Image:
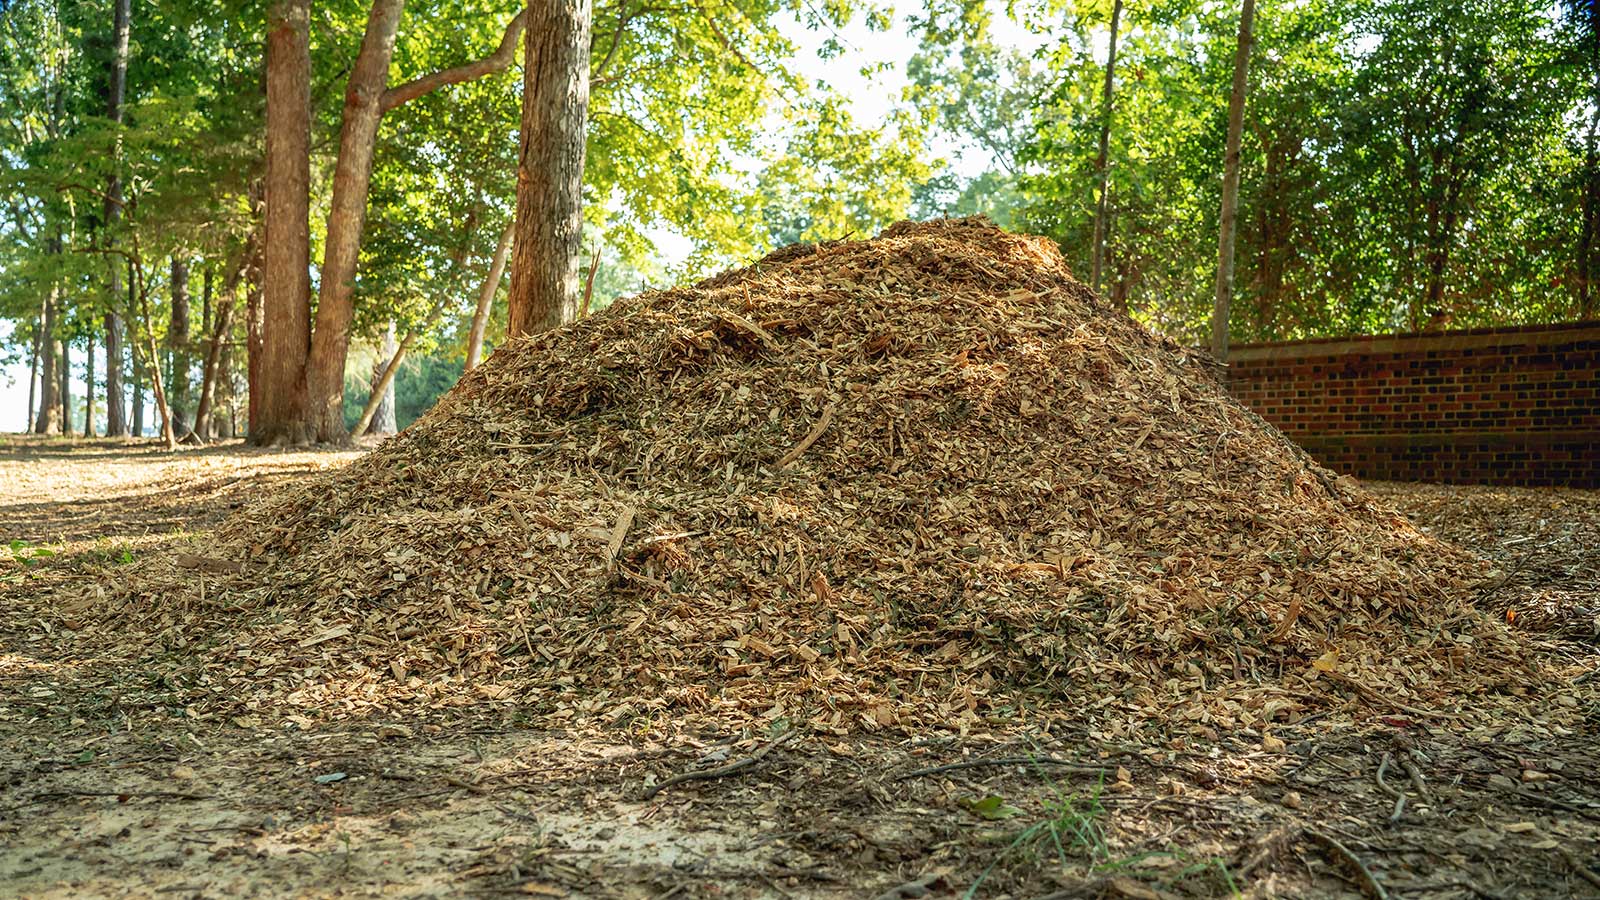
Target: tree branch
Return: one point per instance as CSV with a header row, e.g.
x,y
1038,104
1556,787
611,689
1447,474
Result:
x,y
497,61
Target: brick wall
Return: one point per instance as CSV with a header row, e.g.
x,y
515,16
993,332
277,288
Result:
x,y
1491,406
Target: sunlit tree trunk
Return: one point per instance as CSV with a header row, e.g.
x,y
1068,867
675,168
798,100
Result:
x,y
178,349
88,385
383,417
330,339
491,285
219,323
278,396
116,424
555,107
49,404
1230,187
64,378
136,423
33,372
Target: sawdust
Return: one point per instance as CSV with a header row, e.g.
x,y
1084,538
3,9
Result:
x,y
922,481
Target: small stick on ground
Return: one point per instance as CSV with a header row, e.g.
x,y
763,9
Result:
x,y
1266,848
618,535
1050,761
1583,871
1417,780
721,771
1369,883
809,439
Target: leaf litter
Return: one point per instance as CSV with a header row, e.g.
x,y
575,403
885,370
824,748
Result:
x,y
923,481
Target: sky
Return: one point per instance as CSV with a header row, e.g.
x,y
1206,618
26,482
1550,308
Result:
x,y
871,99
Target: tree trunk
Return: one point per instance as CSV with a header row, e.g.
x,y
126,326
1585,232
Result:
x,y
64,376
136,386
178,349
491,284
88,385
33,371
1102,176
44,421
217,330
1230,187
358,134
141,324
555,104
254,345
383,415
49,420
116,424
278,390
137,423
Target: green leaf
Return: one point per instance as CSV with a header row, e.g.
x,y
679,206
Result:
x,y
992,807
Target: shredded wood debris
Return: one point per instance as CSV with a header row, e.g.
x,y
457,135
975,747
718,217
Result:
x,y
927,480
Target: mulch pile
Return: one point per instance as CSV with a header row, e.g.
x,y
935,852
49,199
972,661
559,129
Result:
x,y
924,480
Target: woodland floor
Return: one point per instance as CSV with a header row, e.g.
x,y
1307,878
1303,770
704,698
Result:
x,y
104,792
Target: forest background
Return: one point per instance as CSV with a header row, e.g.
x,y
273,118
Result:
x,y
1405,165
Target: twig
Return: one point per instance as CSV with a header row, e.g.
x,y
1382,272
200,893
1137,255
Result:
x,y
1383,766
915,888
1416,779
1368,882
588,285
1583,871
168,795
1399,796
1051,761
734,318
721,771
809,439
618,535
1266,848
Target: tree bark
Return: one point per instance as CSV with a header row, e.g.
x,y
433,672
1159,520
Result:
x,y
491,284
141,321
278,399
383,414
217,337
1230,187
116,424
49,404
88,385
64,377
1102,176
33,371
555,105
177,399
363,108
137,423
498,61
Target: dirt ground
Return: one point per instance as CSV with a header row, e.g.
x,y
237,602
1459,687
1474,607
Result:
x,y
105,791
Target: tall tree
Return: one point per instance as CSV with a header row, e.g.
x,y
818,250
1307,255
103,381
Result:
x,y
116,424
330,338
88,384
48,420
1230,186
177,383
278,392
555,105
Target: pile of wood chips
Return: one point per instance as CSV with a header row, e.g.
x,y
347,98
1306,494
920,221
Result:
x,y
923,481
